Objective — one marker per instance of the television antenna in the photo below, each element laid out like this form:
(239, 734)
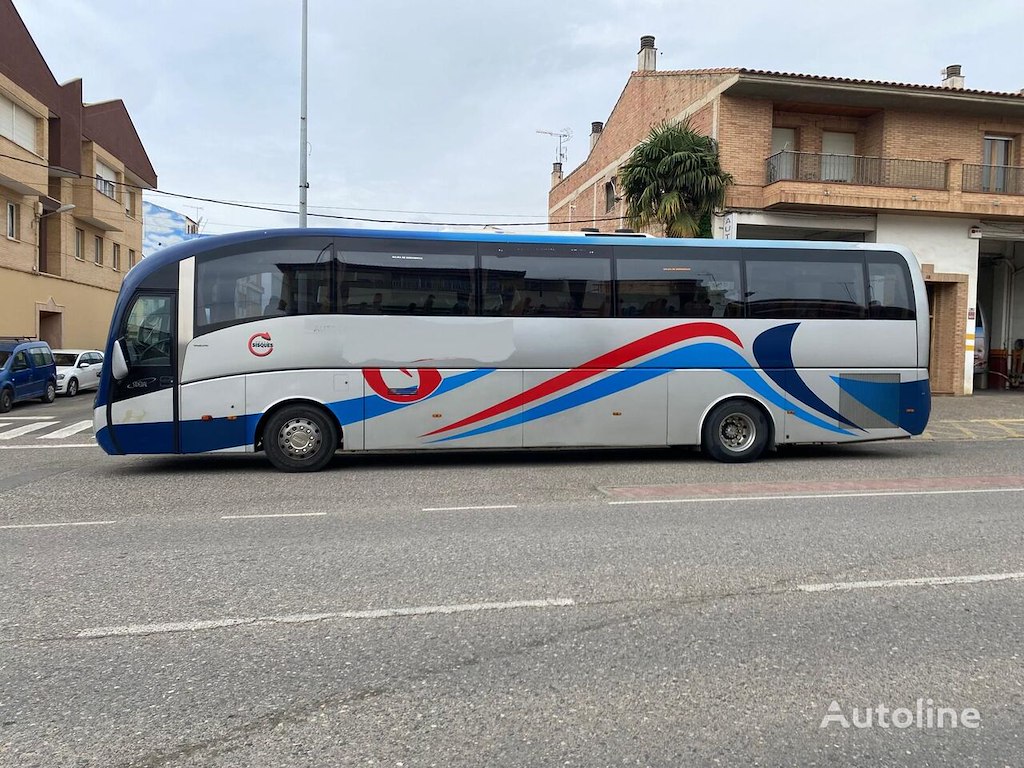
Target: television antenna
(563, 138)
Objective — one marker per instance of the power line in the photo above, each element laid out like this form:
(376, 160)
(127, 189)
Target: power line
(373, 210)
(269, 209)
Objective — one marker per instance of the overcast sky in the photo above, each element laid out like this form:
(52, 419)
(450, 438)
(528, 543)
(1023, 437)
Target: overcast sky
(427, 110)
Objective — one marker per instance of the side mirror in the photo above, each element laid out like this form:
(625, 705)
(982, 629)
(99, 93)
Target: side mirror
(118, 363)
(83, 365)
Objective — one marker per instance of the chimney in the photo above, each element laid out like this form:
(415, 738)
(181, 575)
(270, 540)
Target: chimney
(595, 133)
(556, 174)
(647, 58)
(951, 77)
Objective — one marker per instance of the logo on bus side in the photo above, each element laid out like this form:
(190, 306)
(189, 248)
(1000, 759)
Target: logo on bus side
(260, 344)
(403, 385)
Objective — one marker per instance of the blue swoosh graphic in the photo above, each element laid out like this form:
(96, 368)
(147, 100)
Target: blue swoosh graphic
(704, 355)
(773, 350)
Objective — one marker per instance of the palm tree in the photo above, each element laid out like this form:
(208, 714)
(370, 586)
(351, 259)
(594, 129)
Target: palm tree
(674, 179)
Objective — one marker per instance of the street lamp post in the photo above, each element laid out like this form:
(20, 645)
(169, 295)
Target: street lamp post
(303, 183)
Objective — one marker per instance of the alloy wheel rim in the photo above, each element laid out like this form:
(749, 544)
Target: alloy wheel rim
(737, 432)
(300, 438)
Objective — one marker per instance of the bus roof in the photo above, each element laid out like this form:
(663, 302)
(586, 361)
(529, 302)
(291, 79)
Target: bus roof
(200, 245)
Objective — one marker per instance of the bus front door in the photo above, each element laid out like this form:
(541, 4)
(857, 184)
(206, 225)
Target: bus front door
(141, 412)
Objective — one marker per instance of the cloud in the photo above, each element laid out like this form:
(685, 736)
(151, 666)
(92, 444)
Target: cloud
(434, 106)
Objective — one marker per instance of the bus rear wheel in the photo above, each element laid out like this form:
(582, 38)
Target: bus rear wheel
(300, 438)
(735, 431)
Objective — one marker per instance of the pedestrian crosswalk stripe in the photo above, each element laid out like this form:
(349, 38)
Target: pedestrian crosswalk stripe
(25, 429)
(74, 429)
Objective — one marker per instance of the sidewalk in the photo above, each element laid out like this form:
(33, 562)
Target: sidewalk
(986, 415)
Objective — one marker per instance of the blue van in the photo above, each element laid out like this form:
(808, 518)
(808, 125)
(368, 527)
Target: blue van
(27, 372)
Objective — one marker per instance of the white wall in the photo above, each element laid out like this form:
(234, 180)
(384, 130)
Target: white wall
(1017, 302)
(944, 243)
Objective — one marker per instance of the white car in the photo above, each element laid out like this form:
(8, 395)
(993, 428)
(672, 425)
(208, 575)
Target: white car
(77, 369)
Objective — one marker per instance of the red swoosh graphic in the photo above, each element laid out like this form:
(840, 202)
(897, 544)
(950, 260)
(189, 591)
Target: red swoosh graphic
(613, 359)
(430, 380)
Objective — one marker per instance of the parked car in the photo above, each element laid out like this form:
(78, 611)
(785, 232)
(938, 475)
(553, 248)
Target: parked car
(27, 372)
(77, 369)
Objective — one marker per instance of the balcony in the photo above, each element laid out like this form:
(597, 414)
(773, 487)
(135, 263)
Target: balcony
(993, 179)
(810, 181)
(95, 204)
(853, 169)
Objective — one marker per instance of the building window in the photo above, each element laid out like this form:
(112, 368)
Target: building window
(13, 220)
(609, 196)
(131, 258)
(80, 244)
(117, 257)
(105, 179)
(997, 154)
(17, 124)
(98, 245)
(129, 203)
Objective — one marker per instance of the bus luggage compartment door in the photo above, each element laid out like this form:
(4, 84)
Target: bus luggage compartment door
(213, 415)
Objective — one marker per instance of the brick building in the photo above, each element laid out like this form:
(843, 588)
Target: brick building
(70, 186)
(936, 168)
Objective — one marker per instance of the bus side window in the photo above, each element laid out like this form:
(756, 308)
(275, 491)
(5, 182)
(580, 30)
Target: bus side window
(546, 280)
(889, 288)
(406, 277)
(283, 276)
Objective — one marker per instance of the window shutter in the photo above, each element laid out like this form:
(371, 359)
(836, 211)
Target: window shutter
(24, 128)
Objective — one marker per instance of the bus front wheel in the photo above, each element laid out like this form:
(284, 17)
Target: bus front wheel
(300, 438)
(735, 431)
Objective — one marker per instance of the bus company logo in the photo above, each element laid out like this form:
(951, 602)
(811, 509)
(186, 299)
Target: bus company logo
(260, 344)
(403, 385)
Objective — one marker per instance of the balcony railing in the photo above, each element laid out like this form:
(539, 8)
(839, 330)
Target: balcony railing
(1000, 179)
(854, 169)
(105, 187)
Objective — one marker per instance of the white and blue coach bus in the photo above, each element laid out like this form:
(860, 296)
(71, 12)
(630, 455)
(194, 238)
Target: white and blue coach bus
(300, 343)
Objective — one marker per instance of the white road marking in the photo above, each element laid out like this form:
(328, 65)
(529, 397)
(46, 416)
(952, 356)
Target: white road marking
(305, 618)
(57, 525)
(25, 429)
(460, 509)
(921, 582)
(46, 447)
(74, 429)
(5, 417)
(818, 496)
(282, 514)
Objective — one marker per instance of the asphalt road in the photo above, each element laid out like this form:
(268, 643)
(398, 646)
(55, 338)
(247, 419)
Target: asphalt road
(559, 608)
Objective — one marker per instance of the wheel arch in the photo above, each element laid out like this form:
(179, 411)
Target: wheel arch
(773, 428)
(307, 401)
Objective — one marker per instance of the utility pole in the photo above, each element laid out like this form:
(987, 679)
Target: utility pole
(303, 143)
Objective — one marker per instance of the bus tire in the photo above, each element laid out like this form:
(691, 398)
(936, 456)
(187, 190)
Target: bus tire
(300, 438)
(735, 431)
